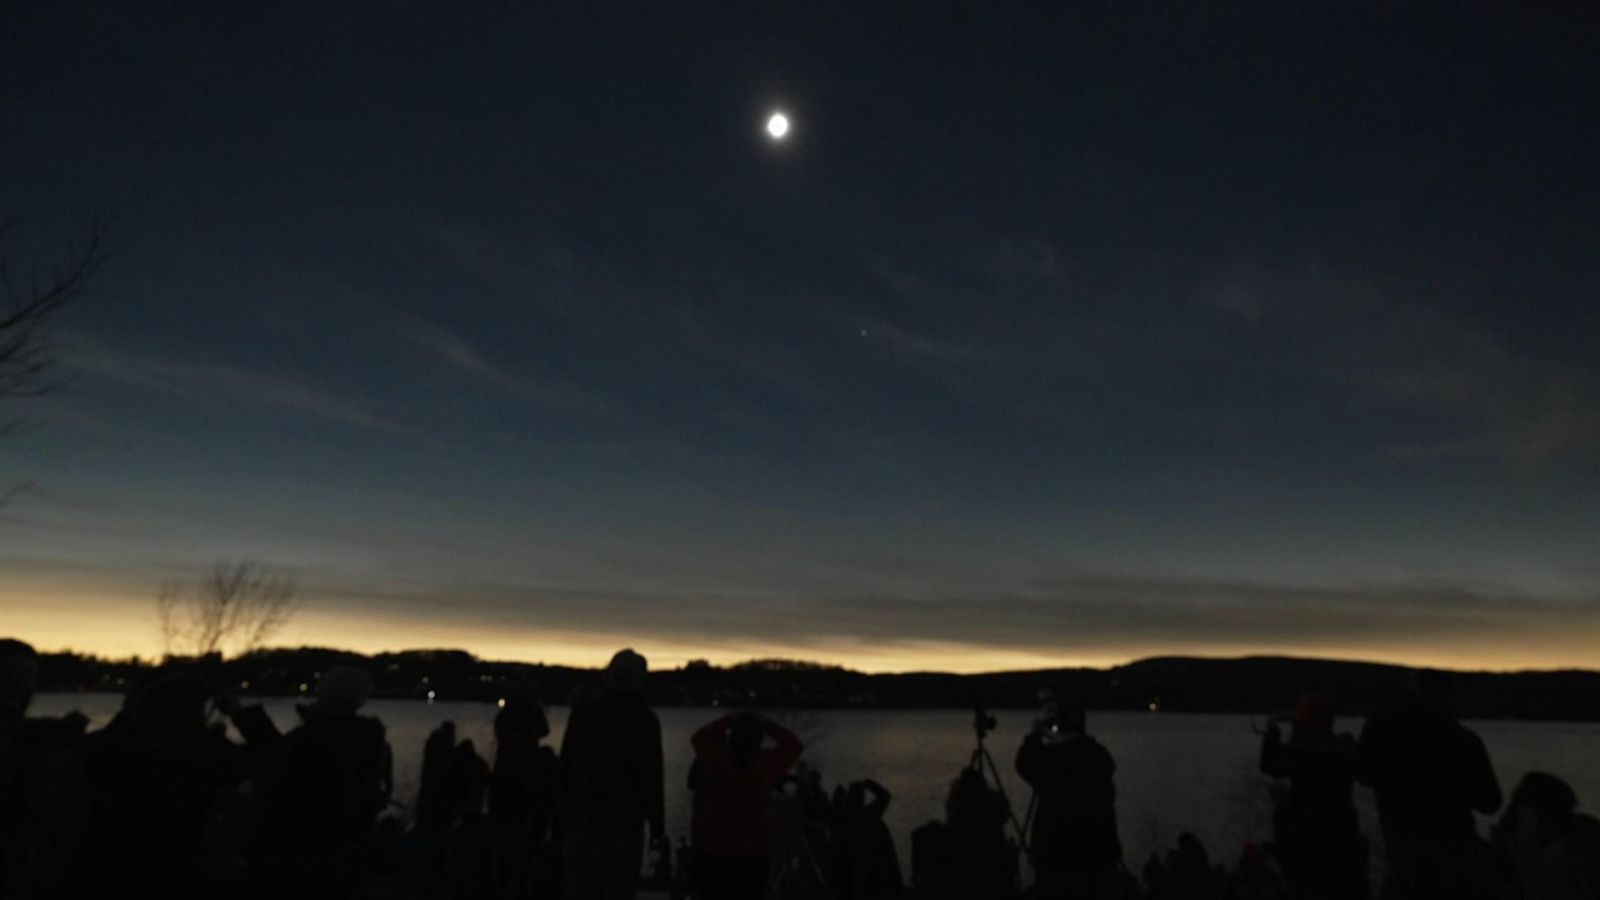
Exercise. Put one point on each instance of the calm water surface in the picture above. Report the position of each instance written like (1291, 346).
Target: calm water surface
(1175, 771)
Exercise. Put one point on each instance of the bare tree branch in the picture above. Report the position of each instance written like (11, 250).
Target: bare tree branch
(29, 300)
(231, 610)
(10, 494)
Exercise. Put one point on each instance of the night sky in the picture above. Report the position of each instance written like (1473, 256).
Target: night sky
(1051, 334)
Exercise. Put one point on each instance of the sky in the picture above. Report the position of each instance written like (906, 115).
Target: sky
(1050, 335)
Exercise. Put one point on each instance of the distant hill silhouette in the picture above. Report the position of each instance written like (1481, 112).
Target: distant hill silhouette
(1258, 684)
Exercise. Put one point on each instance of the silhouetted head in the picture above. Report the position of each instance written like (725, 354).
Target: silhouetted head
(858, 795)
(744, 739)
(521, 718)
(1190, 849)
(1049, 703)
(19, 677)
(626, 672)
(968, 805)
(343, 690)
(443, 736)
(1070, 720)
(1313, 714)
(172, 705)
(1548, 796)
(1430, 689)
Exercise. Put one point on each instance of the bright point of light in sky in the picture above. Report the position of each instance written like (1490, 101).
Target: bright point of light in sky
(778, 126)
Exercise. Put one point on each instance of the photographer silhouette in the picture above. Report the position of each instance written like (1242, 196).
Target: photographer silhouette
(1075, 848)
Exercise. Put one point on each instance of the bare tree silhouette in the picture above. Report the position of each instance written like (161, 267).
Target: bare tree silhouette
(231, 610)
(30, 298)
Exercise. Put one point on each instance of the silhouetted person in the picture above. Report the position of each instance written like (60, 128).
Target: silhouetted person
(611, 785)
(526, 779)
(43, 796)
(968, 854)
(732, 831)
(449, 815)
(1429, 774)
(435, 803)
(19, 678)
(1184, 873)
(156, 772)
(866, 866)
(817, 808)
(1075, 846)
(322, 788)
(1258, 876)
(455, 781)
(799, 866)
(1317, 837)
(524, 789)
(1548, 850)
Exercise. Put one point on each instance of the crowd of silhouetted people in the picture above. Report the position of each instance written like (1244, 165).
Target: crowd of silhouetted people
(164, 802)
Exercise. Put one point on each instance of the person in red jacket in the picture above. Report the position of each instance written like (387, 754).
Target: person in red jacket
(734, 777)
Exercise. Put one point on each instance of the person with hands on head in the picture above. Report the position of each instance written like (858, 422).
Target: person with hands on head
(732, 827)
(866, 866)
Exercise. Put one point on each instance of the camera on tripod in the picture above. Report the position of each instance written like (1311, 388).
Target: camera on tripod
(983, 775)
(982, 721)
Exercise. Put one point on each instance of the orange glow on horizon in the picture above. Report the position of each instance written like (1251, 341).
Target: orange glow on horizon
(113, 624)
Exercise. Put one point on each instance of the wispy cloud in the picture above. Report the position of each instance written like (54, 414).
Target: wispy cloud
(1506, 404)
(607, 302)
(1025, 256)
(215, 382)
(552, 394)
(918, 345)
(1070, 615)
(1443, 382)
(557, 279)
(1069, 612)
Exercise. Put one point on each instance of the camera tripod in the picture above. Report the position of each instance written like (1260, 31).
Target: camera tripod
(983, 763)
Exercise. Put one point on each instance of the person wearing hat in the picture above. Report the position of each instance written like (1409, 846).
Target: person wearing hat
(611, 784)
(1547, 849)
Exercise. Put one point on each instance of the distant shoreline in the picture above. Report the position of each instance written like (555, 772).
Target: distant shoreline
(1248, 685)
(953, 710)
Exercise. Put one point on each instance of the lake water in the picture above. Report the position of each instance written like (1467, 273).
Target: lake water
(1175, 771)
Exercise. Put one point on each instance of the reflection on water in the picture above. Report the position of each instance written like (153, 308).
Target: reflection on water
(1175, 771)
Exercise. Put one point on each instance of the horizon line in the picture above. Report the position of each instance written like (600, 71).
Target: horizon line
(154, 662)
